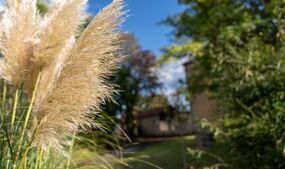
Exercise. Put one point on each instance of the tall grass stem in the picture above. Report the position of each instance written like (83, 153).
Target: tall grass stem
(28, 116)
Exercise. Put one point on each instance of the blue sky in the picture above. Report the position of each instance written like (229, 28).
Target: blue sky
(144, 19)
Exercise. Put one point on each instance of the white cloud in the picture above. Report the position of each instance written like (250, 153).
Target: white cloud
(169, 75)
(172, 72)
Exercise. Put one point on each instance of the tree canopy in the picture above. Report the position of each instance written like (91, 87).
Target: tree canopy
(240, 62)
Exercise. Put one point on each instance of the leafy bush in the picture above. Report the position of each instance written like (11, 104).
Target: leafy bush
(241, 65)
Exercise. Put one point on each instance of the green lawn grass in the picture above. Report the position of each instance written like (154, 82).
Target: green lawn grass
(167, 155)
(171, 154)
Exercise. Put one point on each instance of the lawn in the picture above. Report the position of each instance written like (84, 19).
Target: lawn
(173, 154)
(170, 154)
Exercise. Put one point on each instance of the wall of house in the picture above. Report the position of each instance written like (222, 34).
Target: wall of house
(203, 107)
(149, 126)
(154, 126)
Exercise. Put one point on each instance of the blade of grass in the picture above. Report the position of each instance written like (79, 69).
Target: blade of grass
(8, 140)
(46, 157)
(70, 150)
(38, 157)
(16, 99)
(4, 94)
(3, 100)
(41, 158)
(28, 116)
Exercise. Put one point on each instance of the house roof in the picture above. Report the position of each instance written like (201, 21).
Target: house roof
(152, 112)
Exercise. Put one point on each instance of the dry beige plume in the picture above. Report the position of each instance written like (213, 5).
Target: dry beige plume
(58, 25)
(57, 37)
(12, 2)
(72, 84)
(81, 86)
(19, 27)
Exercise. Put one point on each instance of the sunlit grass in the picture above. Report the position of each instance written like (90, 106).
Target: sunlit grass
(169, 154)
(174, 154)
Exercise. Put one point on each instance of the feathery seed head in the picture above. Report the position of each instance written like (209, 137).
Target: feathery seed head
(60, 23)
(81, 86)
(72, 84)
(19, 24)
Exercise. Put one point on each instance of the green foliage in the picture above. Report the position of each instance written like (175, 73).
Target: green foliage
(16, 149)
(205, 159)
(242, 67)
(178, 50)
(42, 7)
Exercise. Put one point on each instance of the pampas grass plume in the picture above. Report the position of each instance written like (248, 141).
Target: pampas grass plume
(19, 28)
(73, 72)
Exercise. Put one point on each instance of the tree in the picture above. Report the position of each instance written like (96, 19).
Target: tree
(42, 6)
(241, 64)
(135, 79)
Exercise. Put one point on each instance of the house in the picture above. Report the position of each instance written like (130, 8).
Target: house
(166, 121)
